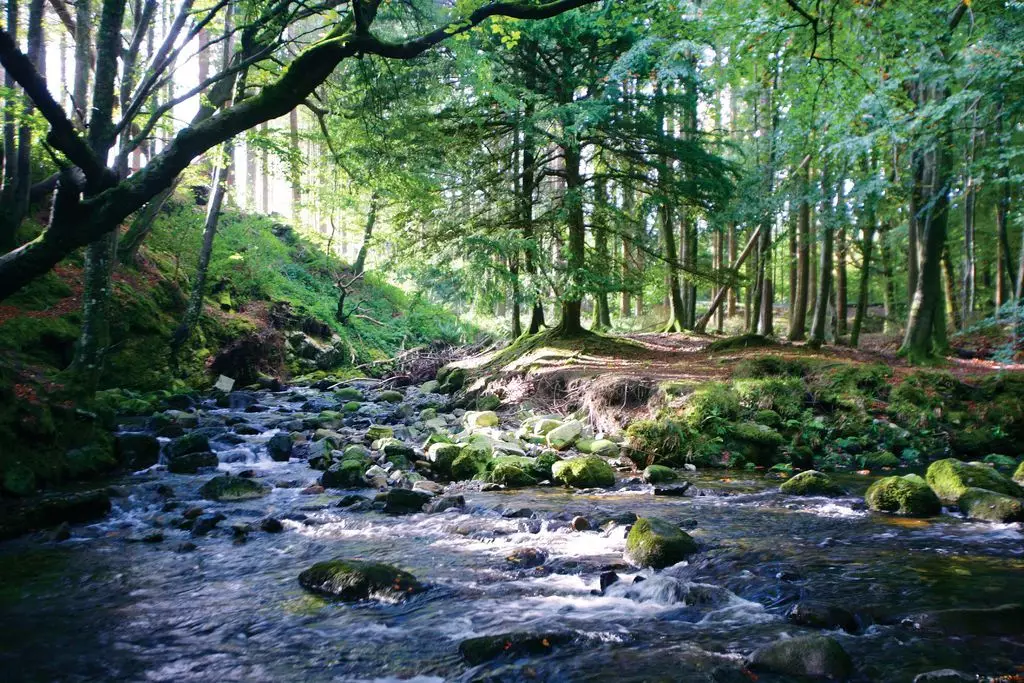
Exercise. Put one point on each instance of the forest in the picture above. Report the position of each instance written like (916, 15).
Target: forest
(512, 340)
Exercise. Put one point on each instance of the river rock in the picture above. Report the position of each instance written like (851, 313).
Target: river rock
(817, 615)
(403, 501)
(583, 472)
(1018, 475)
(950, 479)
(510, 476)
(347, 474)
(989, 506)
(393, 449)
(375, 432)
(659, 474)
(481, 419)
(228, 487)
(656, 543)
(945, 676)
(279, 447)
(443, 503)
(190, 463)
(271, 525)
(526, 558)
(442, 455)
(195, 442)
(390, 396)
(811, 483)
(427, 486)
(512, 645)
(137, 451)
(353, 580)
(205, 523)
(1005, 620)
(811, 656)
(348, 394)
(564, 435)
(907, 495)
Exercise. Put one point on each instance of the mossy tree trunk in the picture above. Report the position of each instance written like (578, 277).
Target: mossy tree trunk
(371, 221)
(824, 288)
(798, 311)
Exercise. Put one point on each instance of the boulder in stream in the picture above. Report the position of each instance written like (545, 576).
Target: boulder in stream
(347, 474)
(656, 543)
(811, 483)
(485, 648)
(584, 472)
(228, 487)
(819, 615)
(950, 479)
(907, 495)
(190, 463)
(136, 450)
(989, 506)
(811, 656)
(353, 580)
(564, 435)
(194, 442)
(403, 501)
(1005, 620)
(1018, 475)
(659, 474)
(280, 447)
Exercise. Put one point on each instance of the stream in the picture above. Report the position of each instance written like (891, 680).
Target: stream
(128, 598)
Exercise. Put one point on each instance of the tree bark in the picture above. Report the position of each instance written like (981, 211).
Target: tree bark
(798, 314)
(371, 221)
(572, 299)
(824, 289)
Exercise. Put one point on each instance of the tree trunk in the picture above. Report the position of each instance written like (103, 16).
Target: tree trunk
(798, 314)
(264, 174)
(970, 192)
(295, 158)
(841, 289)
(572, 299)
(868, 229)
(734, 269)
(602, 315)
(949, 286)
(824, 289)
(889, 290)
(371, 220)
(142, 225)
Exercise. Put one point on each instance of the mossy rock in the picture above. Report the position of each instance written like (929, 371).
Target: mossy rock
(190, 463)
(658, 474)
(1018, 475)
(443, 455)
(510, 645)
(564, 435)
(811, 483)
(467, 465)
(486, 418)
(348, 394)
(230, 488)
(1004, 462)
(375, 432)
(783, 395)
(541, 466)
(951, 478)
(353, 580)
(352, 406)
(193, 442)
(878, 460)
(390, 396)
(908, 495)
(393, 448)
(136, 450)
(347, 474)
(19, 480)
(755, 443)
(488, 402)
(656, 543)
(510, 476)
(279, 447)
(989, 506)
(356, 451)
(584, 472)
(652, 442)
(810, 656)
(768, 418)
(403, 501)
(771, 366)
(89, 460)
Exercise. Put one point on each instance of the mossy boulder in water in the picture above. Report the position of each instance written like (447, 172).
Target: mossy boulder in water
(659, 474)
(137, 451)
(485, 648)
(347, 474)
(879, 460)
(908, 495)
(811, 483)
(564, 435)
(811, 656)
(1018, 476)
(194, 442)
(485, 418)
(510, 475)
(348, 394)
(228, 487)
(584, 472)
(989, 506)
(379, 432)
(353, 580)
(403, 501)
(951, 478)
(390, 396)
(279, 447)
(190, 463)
(656, 543)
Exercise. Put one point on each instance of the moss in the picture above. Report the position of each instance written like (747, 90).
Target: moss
(771, 366)
(348, 394)
(651, 442)
(768, 418)
(510, 475)
(230, 488)
(584, 472)
(878, 460)
(951, 478)
(656, 543)
(1003, 462)
(1018, 474)
(467, 465)
(784, 395)
(908, 495)
(990, 506)
(347, 474)
(756, 443)
(811, 656)
(712, 401)
(849, 386)
(811, 483)
(657, 474)
(352, 580)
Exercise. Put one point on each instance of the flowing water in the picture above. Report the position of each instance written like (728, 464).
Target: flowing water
(104, 606)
